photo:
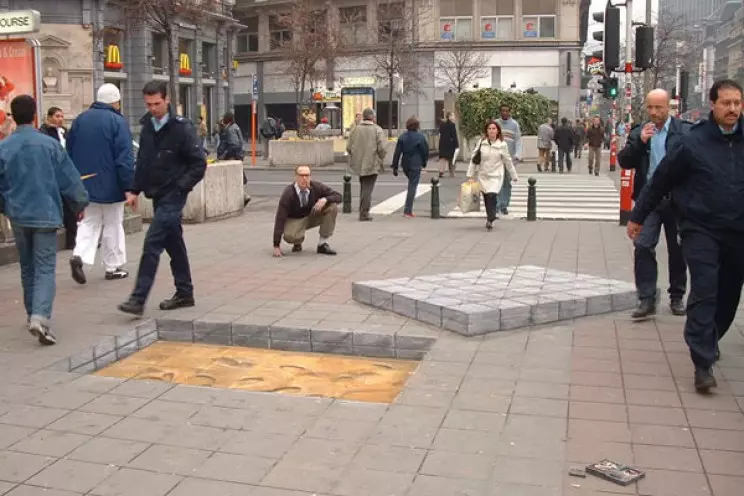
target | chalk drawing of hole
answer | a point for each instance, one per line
(365, 374)
(201, 380)
(247, 381)
(156, 375)
(343, 378)
(293, 367)
(232, 362)
(383, 366)
(287, 389)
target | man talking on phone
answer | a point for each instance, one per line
(646, 147)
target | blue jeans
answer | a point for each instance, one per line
(165, 233)
(645, 267)
(504, 197)
(413, 175)
(37, 251)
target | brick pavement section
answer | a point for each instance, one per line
(483, 301)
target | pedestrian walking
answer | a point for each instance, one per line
(170, 163)
(203, 133)
(366, 149)
(36, 174)
(646, 147)
(564, 140)
(579, 138)
(231, 141)
(55, 128)
(545, 134)
(594, 139)
(412, 152)
(513, 138)
(305, 204)
(448, 145)
(704, 172)
(491, 165)
(100, 146)
(269, 131)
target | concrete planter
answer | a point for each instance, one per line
(219, 195)
(315, 153)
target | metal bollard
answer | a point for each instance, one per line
(552, 161)
(435, 198)
(347, 194)
(531, 199)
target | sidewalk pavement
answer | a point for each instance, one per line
(505, 414)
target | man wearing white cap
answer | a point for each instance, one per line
(100, 145)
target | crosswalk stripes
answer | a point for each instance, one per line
(562, 197)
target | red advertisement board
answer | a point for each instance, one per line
(18, 76)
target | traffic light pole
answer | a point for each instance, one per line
(626, 176)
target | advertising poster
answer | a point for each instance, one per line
(354, 101)
(530, 28)
(17, 77)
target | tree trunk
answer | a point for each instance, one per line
(300, 128)
(390, 106)
(173, 67)
(98, 48)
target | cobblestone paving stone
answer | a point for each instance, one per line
(502, 414)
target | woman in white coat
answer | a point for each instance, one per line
(494, 156)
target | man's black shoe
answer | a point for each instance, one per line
(718, 355)
(677, 307)
(365, 218)
(132, 307)
(505, 211)
(296, 248)
(645, 309)
(704, 379)
(177, 302)
(324, 249)
(76, 265)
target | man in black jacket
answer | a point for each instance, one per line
(564, 138)
(170, 163)
(705, 173)
(646, 147)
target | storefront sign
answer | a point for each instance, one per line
(19, 22)
(488, 31)
(113, 59)
(354, 101)
(352, 81)
(530, 29)
(446, 30)
(594, 66)
(184, 66)
(18, 76)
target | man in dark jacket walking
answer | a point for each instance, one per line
(170, 163)
(448, 144)
(100, 145)
(646, 147)
(413, 149)
(705, 174)
(594, 140)
(564, 138)
(579, 137)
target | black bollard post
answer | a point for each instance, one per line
(531, 199)
(347, 194)
(435, 198)
(552, 161)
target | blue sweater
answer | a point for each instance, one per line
(99, 142)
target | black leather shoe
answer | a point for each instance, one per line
(365, 218)
(677, 307)
(177, 302)
(325, 249)
(132, 307)
(296, 248)
(76, 266)
(644, 310)
(704, 379)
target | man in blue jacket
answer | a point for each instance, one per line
(100, 145)
(705, 174)
(646, 147)
(35, 175)
(170, 163)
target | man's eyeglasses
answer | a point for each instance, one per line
(303, 175)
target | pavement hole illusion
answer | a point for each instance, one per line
(262, 370)
(484, 301)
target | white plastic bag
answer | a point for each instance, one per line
(469, 197)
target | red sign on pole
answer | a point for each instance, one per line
(627, 177)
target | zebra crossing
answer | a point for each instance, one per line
(561, 197)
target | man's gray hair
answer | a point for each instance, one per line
(368, 114)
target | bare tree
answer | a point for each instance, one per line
(163, 17)
(460, 67)
(311, 42)
(396, 60)
(675, 45)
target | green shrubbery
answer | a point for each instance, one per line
(476, 107)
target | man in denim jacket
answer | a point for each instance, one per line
(35, 173)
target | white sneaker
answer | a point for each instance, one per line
(42, 333)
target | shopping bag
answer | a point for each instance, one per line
(469, 197)
(455, 155)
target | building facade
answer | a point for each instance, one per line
(693, 12)
(723, 46)
(523, 43)
(85, 43)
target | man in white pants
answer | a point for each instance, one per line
(100, 145)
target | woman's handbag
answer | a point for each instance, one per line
(477, 157)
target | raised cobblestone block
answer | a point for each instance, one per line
(483, 301)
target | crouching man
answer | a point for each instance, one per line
(303, 205)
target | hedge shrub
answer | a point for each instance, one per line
(476, 107)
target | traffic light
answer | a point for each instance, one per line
(608, 87)
(610, 36)
(644, 47)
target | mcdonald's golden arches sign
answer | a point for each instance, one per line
(113, 58)
(185, 65)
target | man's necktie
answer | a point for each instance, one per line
(303, 198)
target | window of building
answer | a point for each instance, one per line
(248, 38)
(158, 56)
(538, 18)
(279, 33)
(391, 21)
(353, 22)
(455, 8)
(497, 28)
(209, 60)
(456, 28)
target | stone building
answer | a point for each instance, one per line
(526, 43)
(87, 42)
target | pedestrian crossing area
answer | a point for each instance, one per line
(561, 197)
